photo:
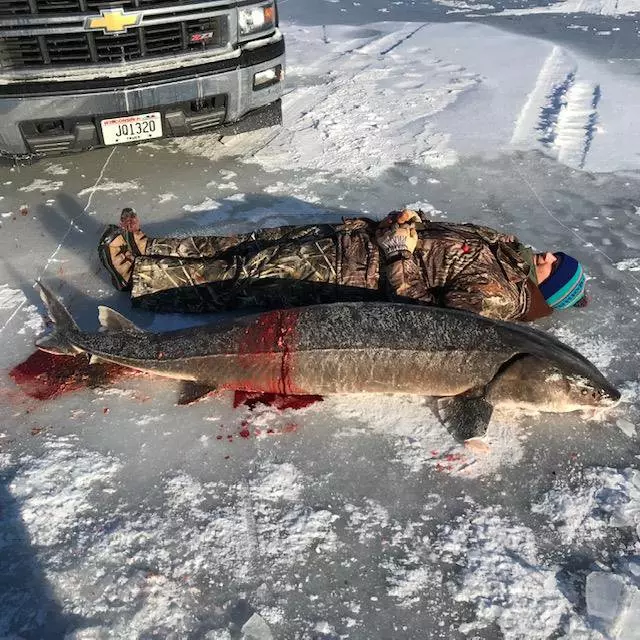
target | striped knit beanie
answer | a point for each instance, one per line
(565, 287)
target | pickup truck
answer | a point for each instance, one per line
(77, 74)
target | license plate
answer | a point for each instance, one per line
(132, 128)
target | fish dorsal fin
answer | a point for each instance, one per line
(111, 320)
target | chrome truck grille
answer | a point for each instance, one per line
(66, 38)
(26, 7)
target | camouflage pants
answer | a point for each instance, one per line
(285, 266)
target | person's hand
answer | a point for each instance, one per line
(400, 217)
(397, 235)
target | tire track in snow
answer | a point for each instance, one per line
(576, 124)
(367, 106)
(556, 68)
(299, 102)
(549, 115)
(561, 112)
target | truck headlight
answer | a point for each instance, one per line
(256, 18)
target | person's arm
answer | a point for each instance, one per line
(490, 235)
(397, 238)
(481, 290)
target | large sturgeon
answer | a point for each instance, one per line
(473, 362)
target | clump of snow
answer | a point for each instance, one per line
(629, 264)
(55, 491)
(504, 577)
(363, 120)
(278, 482)
(208, 204)
(10, 298)
(426, 207)
(459, 5)
(118, 554)
(56, 170)
(33, 322)
(577, 512)
(111, 186)
(351, 123)
(421, 441)
(597, 7)
(599, 351)
(163, 198)
(15, 300)
(367, 521)
(42, 185)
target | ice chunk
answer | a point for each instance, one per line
(218, 634)
(616, 603)
(628, 428)
(605, 595)
(633, 566)
(628, 626)
(255, 628)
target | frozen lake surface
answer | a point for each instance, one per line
(125, 516)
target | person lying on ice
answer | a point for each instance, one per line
(406, 257)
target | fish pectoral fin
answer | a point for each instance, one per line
(56, 344)
(465, 417)
(111, 320)
(191, 392)
(97, 360)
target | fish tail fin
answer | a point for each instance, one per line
(58, 342)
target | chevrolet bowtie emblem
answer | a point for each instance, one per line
(112, 21)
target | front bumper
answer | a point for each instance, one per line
(191, 100)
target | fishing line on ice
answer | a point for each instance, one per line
(572, 231)
(72, 225)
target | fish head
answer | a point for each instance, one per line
(569, 392)
(542, 386)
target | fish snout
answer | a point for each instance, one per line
(610, 402)
(612, 396)
(609, 398)
(605, 395)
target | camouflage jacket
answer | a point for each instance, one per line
(467, 266)
(463, 266)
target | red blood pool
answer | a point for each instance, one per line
(277, 400)
(245, 433)
(44, 376)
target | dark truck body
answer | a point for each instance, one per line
(77, 74)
